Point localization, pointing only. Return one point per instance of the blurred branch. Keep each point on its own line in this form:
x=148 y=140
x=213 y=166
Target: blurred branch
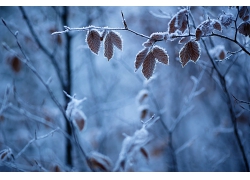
x=33 y=140
x=239 y=102
x=42 y=47
x=223 y=85
x=31 y=67
x=186 y=145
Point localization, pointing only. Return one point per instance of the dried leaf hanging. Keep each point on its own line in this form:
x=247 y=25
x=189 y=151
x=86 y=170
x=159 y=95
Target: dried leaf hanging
x=148 y=65
x=226 y=19
x=190 y=51
x=108 y=46
x=116 y=39
x=207 y=27
x=160 y=54
x=244 y=28
x=244 y=13
x=178 y=22
x=112 y=38
x=140 y=57
x=93 y=40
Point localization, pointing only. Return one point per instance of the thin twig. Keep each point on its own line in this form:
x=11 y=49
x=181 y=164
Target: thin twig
x=42 y=47
x=33 y=140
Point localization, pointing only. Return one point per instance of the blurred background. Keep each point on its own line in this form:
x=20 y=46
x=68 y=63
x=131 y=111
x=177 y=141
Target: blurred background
x=195 y=130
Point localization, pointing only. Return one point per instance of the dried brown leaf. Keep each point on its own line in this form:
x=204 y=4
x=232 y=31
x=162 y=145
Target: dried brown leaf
x=226 y=19
x=15 y=63
x=93 y=40
x=190 y=51
x=79 y=118
x=144 y=152
x=108 y=46
x=160 y=54
x=171 y=25
x=99 y=161
x=184 y=40
x=157 y=36
x=116 y=39
x=217 y=25
x=80 y=123
x=3 y=155
x=244 y=13
x=144 y=113
x=148 y=65
x=178 y=21
x=140 y=57
x=244 y=28
x=207 y=27
x=198 y=34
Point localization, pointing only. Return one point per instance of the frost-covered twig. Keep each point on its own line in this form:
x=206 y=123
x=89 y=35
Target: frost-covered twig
x=33 y=140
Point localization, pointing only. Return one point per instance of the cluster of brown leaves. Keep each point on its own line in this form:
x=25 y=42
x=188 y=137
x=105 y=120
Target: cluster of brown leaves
x=244 y=27
x=178 y=25
x=110 y=38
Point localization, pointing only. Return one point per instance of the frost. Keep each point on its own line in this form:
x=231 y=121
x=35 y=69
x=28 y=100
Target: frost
x=244 y=28
x=111 y=39
x=148 y=65
x=160 y=54
x=218 y=52
x=98 y=161
x=207 y=27
x=244 y=13
x=226 y=19
x=178 y=22
x=140 y=57
x=190 y=51
x=93 y=40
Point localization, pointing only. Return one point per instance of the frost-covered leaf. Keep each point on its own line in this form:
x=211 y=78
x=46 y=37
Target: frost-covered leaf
x=157 y=36
x=98 y=161
x=108 y=46
x=244 y=13
x=244 y=28
x=148 y=65
x=184 y=40
x=160 y=54
x=171 y=25
x=142 y=95
x=140 y=57
x=198 y=34
x=79 y=117
x=148 y=43
x=190 y=51
x=218 y=52
x=207 y=27
x=6 y=155
x=216 y=24
x=93 y=40
x=144 y=111
x=116 y=39
x=178 y=22
x=226 y=19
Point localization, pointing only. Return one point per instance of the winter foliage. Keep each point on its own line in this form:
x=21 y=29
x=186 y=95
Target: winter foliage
x=62 y=108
